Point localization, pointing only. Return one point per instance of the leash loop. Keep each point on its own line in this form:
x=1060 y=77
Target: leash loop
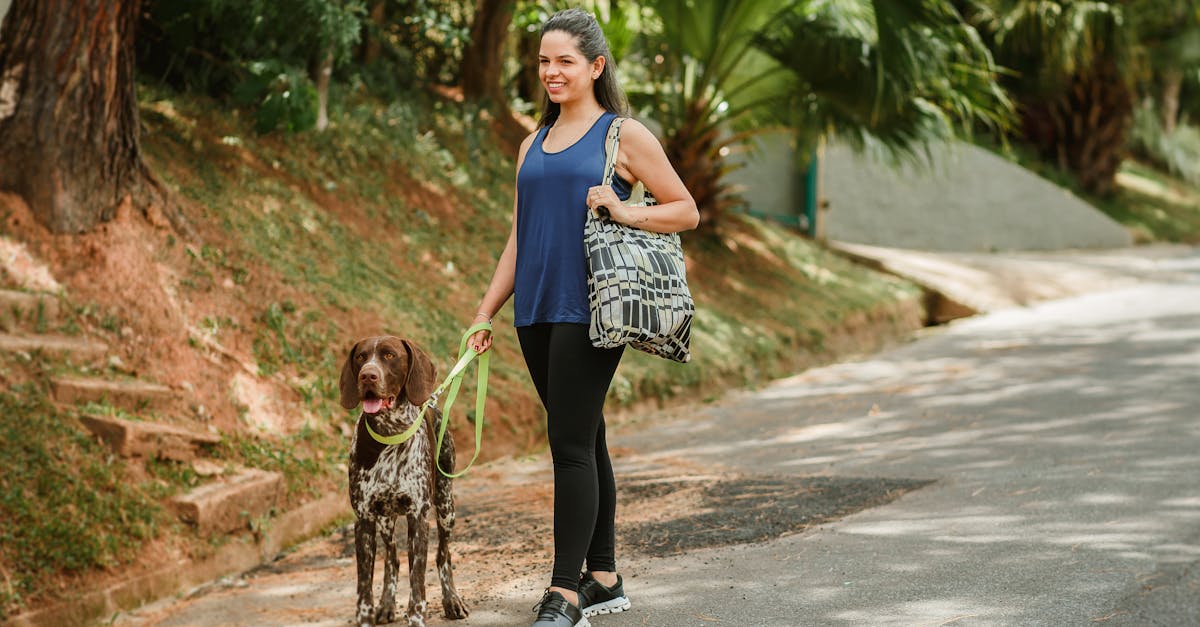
x=465 y=356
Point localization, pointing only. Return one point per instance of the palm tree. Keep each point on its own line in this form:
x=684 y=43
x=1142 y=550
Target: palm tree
x=1077 y=65
x=894 y=73
x=710 y=88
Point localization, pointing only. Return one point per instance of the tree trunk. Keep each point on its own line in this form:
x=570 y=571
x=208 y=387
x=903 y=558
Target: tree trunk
x=697 y=158
x=322 y=71
x=68 y=113
x=483 y=60
x=483 y=66
x=1085 y=128
x=1172 y=84
x=528 y=84
x=371 y=46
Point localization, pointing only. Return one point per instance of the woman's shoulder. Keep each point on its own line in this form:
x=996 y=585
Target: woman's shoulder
x=526 y=144
x=636 y=133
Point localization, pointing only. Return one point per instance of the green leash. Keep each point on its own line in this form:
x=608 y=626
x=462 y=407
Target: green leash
x=453 y=381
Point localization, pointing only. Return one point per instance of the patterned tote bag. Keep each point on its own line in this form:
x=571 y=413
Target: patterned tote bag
x=637 y=284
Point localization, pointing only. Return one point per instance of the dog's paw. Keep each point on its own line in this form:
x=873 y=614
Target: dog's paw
x=385 y=614
x=416 y=620
x=364 y=618
x=454 y=607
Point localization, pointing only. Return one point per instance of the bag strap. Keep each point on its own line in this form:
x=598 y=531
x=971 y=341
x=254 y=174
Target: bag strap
x=612 y=145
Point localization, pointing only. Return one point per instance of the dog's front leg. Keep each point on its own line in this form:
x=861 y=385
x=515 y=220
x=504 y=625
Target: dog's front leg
x=418 y=550
x=385 y=612
x=364 y=552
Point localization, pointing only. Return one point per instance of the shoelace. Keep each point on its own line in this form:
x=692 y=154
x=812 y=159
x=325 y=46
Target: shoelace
x=549 y=608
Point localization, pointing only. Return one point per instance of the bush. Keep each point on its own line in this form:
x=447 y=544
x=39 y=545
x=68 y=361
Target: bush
x=1177 y=152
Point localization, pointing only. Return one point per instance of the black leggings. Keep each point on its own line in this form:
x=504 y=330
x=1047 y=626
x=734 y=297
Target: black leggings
x=572 y=379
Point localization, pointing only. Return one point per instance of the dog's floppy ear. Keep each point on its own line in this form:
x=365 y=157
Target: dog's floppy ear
x=421 y=374
x=349 y=381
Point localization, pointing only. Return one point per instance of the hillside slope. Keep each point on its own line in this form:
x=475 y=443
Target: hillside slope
x=390 y=222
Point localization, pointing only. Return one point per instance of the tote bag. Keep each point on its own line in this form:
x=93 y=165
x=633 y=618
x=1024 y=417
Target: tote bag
x=637 y=282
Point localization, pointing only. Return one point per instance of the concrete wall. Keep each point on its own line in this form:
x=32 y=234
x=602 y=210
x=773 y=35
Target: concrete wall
x=968 y=200
x=769 y=181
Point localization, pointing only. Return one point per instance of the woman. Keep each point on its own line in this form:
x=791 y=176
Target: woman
x=558 y=168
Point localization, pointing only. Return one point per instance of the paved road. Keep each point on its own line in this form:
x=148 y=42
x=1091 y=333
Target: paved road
x=1065 y=447
x=1061 y=446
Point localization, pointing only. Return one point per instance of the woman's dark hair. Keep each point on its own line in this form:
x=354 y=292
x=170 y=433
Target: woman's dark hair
x=590 y=41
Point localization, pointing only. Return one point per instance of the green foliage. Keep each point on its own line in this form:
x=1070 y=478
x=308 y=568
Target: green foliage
x=1046 y=42
x=1177 y=152
x=262 y=52
x=285 y=97
x=64 y=503
x=428 y=36
x=896 y=76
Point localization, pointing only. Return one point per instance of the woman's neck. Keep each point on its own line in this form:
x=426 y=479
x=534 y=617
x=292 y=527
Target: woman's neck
x=579 y=112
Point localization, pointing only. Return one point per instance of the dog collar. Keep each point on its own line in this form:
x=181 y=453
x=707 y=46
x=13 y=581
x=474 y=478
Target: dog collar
x=399 y=438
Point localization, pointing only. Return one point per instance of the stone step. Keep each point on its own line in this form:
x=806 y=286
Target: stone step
x=59 y=345
x=129 y=438
x=132 y=395
x=229 y=504
x=27 y=309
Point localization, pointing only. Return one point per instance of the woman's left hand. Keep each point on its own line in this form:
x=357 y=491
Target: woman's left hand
x=604 y=196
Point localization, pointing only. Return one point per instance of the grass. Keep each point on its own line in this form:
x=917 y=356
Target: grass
x=1157 y=206
x=65 y=506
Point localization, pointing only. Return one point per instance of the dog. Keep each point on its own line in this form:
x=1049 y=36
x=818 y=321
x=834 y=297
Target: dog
x=391 y=377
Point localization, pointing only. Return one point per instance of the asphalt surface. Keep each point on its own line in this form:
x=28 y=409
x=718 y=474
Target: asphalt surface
x=1049 y=459
x=1065 y=449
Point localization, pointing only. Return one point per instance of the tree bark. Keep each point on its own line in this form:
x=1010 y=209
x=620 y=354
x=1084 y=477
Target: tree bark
x=1172 y=84
x=483 y=60
x=69 y=113
x=371 y=46
x=1085 y=128
x=483 y=65
x=322 y=70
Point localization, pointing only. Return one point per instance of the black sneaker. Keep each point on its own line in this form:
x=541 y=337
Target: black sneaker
x=554 y=610
x=595 y=598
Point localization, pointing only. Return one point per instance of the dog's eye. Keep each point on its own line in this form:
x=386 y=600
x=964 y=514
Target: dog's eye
x=360 y=357
x=388 y=356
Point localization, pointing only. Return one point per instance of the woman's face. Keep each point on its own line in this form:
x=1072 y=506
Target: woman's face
x=564 y=71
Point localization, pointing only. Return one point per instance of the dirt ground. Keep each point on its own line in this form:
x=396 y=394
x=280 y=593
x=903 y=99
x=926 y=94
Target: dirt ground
x=503 y=540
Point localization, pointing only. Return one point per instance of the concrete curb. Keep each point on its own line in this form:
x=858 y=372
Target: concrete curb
x=239 y=555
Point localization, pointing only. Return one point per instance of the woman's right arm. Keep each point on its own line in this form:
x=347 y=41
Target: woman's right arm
x=505 y=276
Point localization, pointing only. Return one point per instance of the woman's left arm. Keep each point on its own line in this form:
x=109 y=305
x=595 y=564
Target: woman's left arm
x=642 y=158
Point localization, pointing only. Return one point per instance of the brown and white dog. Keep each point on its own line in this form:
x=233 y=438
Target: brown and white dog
x=391 y=378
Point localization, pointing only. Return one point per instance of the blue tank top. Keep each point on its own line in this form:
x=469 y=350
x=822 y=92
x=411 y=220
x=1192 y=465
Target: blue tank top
x=551 y=276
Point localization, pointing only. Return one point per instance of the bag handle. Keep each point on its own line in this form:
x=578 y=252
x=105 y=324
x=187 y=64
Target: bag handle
x=612 y=144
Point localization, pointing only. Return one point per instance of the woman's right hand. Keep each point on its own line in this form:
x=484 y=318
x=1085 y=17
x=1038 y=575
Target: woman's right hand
x=480 y=340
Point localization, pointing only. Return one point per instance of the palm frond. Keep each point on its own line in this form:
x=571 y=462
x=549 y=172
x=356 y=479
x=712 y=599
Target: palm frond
x=887 y=74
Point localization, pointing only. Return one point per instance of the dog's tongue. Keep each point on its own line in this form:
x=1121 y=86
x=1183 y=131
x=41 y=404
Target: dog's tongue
x=372 y=406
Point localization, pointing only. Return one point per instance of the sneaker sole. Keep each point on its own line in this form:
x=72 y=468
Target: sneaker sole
x=613 y=606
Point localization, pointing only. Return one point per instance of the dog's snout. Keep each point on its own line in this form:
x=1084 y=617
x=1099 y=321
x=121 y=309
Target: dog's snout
x=370 y=373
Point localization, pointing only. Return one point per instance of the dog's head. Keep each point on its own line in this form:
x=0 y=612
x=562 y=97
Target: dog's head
x=379 y=369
